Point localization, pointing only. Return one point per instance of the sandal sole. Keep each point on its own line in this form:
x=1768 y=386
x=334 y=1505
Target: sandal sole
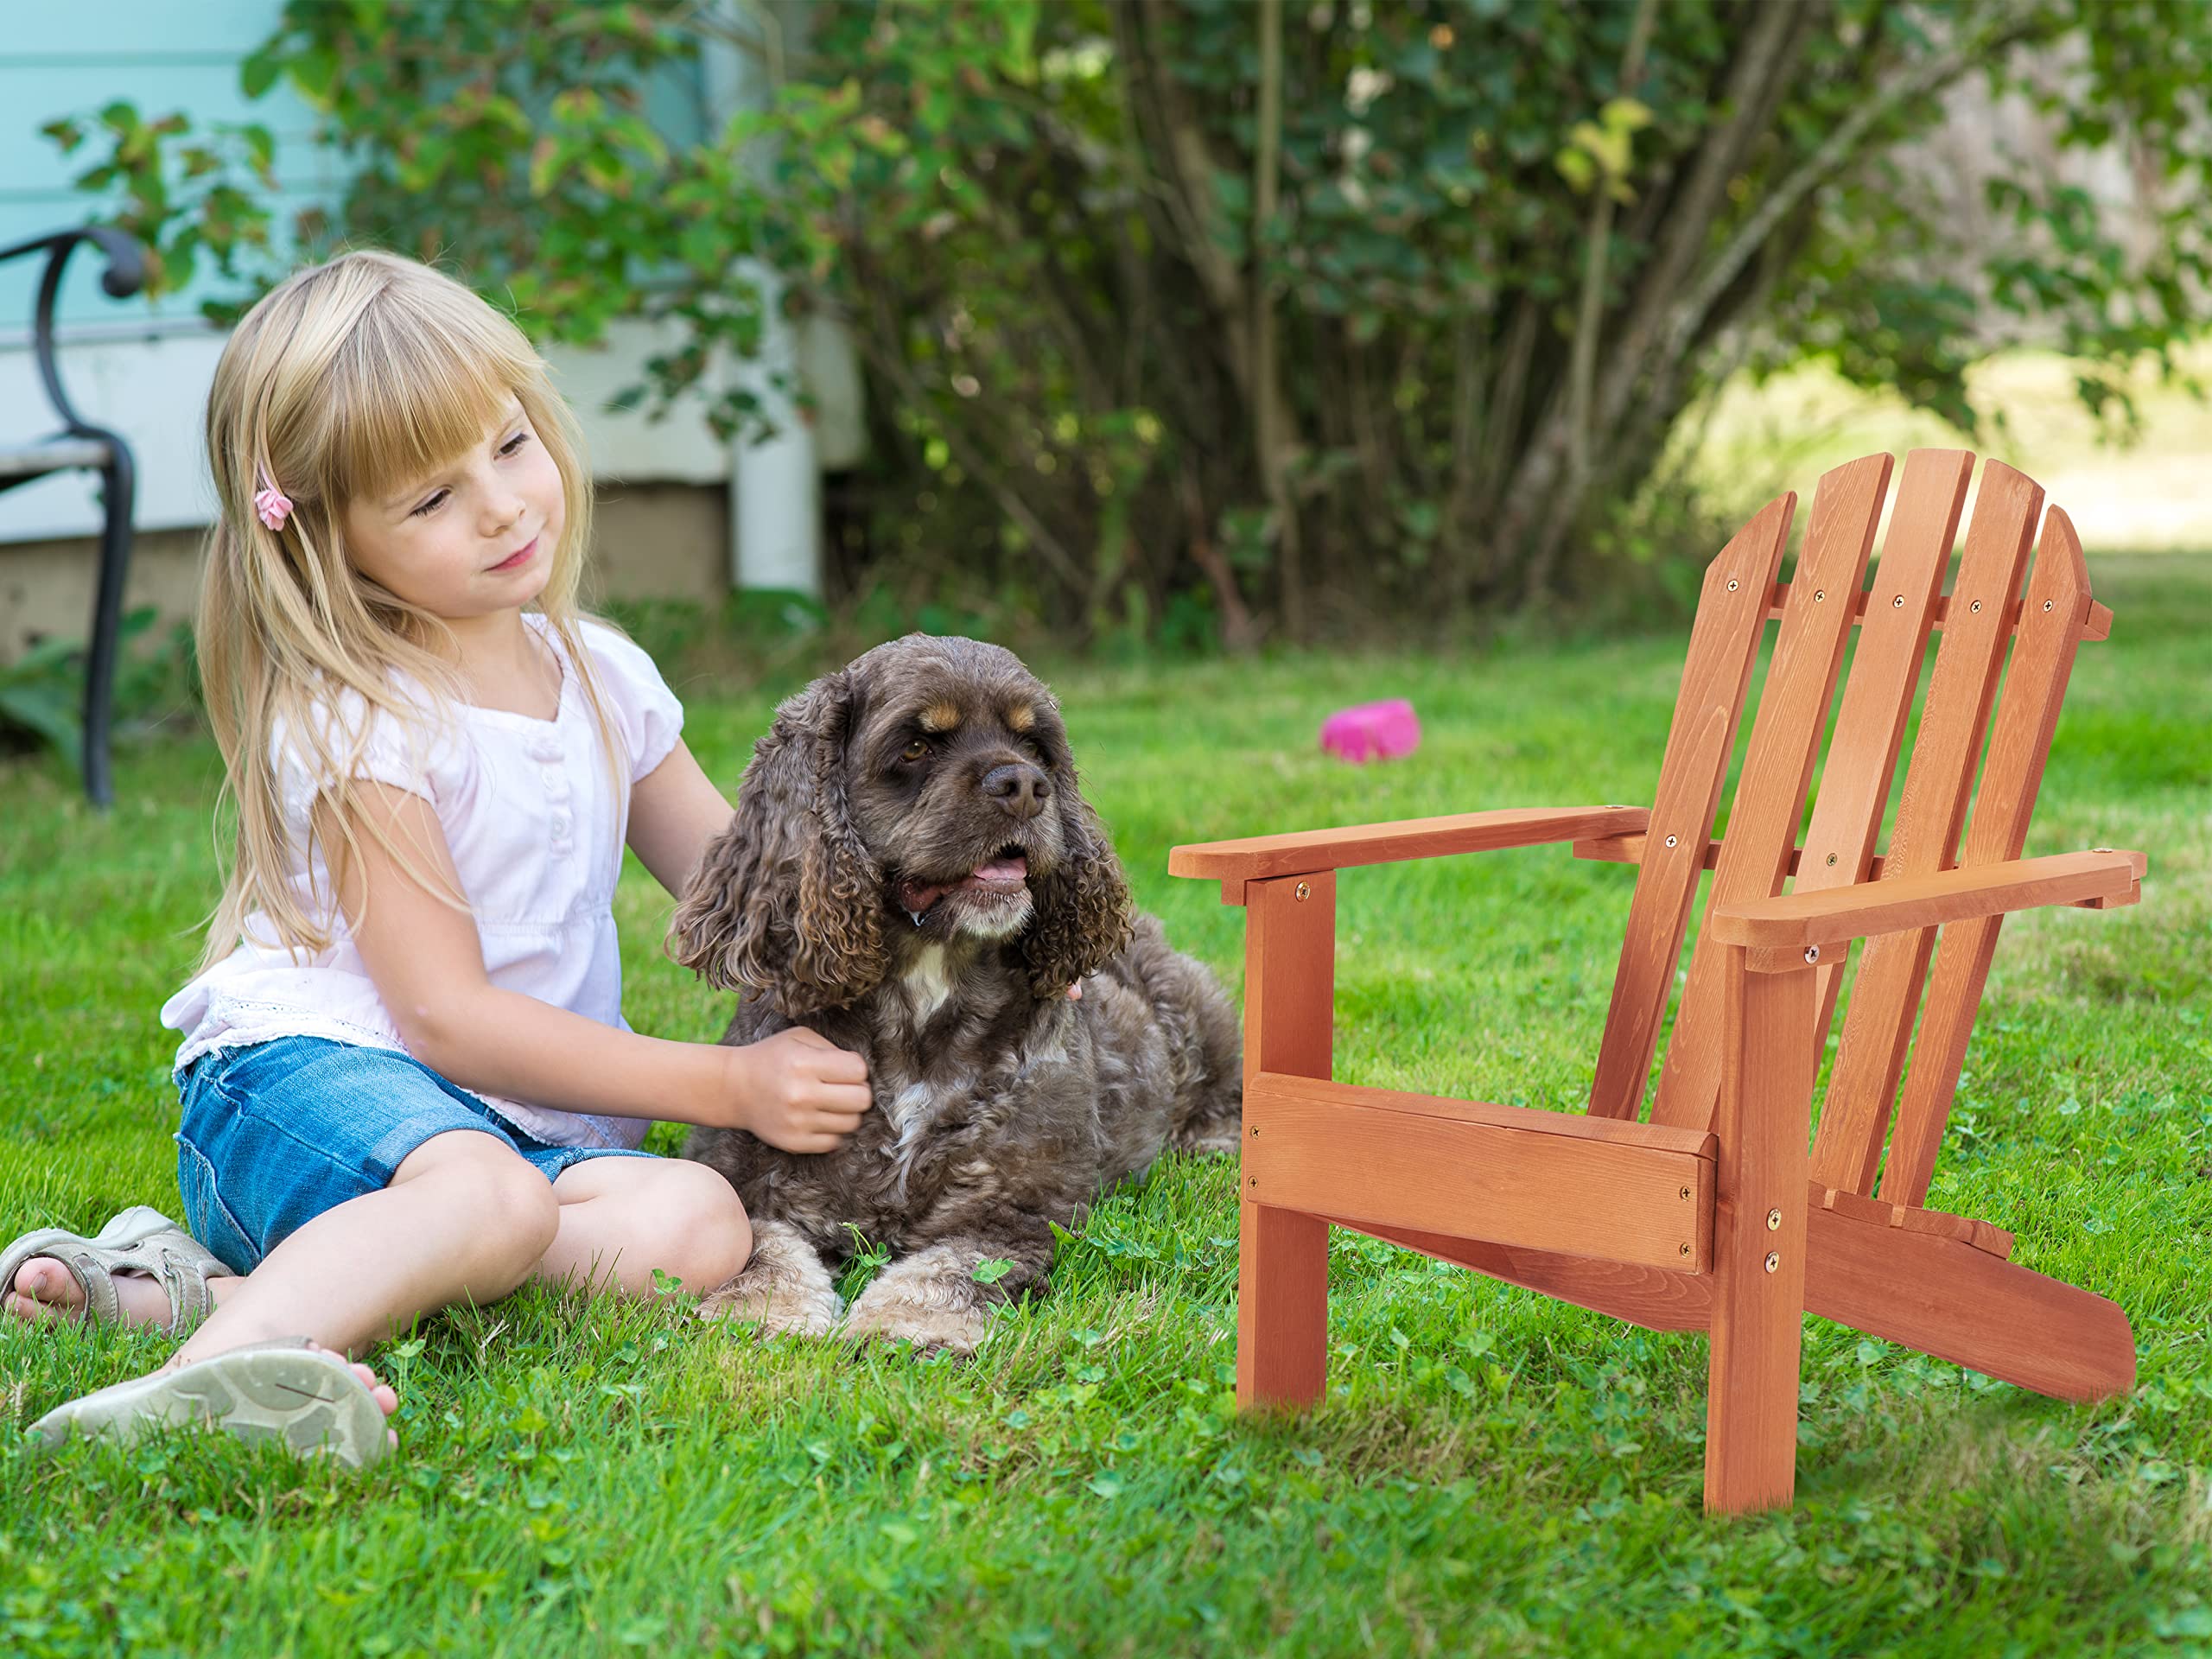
x=255 y=1393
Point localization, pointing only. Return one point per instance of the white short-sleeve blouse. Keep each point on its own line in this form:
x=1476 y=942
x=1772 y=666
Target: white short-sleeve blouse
x=535 y=828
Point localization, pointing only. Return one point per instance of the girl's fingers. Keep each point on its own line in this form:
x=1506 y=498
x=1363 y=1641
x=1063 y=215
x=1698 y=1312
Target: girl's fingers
x=852 y=1099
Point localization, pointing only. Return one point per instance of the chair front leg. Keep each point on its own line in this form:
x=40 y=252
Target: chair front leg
x=1282 y=1275
x=1758 y=1237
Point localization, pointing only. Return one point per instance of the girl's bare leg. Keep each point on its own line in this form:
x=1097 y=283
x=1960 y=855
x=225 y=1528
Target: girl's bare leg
x=463 y=1220
x=622 y=1217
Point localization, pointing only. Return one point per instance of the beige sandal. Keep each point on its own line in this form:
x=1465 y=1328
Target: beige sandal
x=140 y=1239
x=306 y=1397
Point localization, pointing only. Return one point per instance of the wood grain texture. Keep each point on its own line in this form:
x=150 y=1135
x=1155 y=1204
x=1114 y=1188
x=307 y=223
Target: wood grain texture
x=1855 y=1116
x=1282 y=1274
x=1969 y=1306
x=2097 y=625
x=1724 y=643
x=1992 y=1241
x=1263 y=857
x=1650 y=1297
x=1769 y=802
x=1758 y=1237
x=1870 y=724
x=2019 y=745
x=1793 y=921
x=1507 y=1174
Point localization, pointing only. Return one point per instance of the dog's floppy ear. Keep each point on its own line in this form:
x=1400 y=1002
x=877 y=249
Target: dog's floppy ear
x=1081 y=907
x=786 y=901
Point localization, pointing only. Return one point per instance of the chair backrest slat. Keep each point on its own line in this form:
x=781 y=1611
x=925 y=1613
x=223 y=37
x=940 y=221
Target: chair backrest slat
x=1785 y=741
x=1854 y=1117
x=1862 y=759
x=1723 y=642
x=2020 y=743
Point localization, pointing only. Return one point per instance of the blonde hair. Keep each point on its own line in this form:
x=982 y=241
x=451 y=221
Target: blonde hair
x=351 y=378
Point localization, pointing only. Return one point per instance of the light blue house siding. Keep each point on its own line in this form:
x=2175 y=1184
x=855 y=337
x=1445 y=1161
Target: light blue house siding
x=163 y=56
x=142 y=368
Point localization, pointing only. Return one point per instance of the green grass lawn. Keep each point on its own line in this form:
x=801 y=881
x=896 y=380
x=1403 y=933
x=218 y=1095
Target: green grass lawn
x=1491 y=1473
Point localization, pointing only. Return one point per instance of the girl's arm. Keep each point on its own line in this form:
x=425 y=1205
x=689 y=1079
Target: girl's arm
x=675 y=810
x=795 y=1090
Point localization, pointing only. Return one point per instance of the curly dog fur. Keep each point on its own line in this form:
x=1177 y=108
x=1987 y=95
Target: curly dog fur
x=913 y=872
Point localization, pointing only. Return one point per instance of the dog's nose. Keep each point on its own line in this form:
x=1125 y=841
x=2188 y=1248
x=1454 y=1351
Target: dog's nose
x=1019 y=787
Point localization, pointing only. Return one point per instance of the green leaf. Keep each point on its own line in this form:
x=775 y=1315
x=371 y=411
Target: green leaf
x=258 y=73
x=990 y=1271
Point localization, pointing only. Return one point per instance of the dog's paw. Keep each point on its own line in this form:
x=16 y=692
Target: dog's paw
x=778 y=1303
x=1216 y=1138
x=925 y=1323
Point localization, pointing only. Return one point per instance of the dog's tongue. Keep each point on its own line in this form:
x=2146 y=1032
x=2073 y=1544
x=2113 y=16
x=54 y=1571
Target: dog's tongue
x=1000 y=872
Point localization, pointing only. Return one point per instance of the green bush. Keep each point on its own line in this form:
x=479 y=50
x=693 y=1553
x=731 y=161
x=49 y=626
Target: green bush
x=1208 y=319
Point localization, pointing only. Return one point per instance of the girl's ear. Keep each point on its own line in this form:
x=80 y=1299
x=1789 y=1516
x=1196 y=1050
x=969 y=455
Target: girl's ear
x=787 y=901
x=1082 y=908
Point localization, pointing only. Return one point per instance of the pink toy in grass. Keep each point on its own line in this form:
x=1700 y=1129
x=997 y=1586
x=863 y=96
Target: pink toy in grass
x=1371 y=731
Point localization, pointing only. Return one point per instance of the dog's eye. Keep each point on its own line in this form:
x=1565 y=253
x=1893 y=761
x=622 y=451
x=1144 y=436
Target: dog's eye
x=916 y=750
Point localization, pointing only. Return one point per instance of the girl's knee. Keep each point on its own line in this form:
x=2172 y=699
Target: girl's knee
x=521 y=1211
x=703 y=1235
x=513 y=1215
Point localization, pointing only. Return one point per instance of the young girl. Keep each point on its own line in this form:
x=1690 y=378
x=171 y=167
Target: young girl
x=406 y=1080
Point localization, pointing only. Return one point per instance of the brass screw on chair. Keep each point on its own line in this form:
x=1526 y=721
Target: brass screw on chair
x=1812 y=953
x=1773 y=1217
x=1831 y=859
x=1819 y=594
x=1773 y=1260
x=1731 y=588
x=1303 y=890
x=1686 y=1249
x=1976 y=608
x=1686 y=1192
x=1671 y=840
x=1898 y=604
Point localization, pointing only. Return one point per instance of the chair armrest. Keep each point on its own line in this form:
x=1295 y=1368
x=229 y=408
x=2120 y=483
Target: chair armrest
x=126 y=261
x=1258 y=858
x=1801 y=922
x=124 y=275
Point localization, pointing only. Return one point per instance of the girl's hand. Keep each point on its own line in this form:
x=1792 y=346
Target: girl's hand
x=798 y=1090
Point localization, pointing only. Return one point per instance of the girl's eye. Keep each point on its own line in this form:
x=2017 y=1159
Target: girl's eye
x=915 y=750
x=514 y=443
x=437 y=500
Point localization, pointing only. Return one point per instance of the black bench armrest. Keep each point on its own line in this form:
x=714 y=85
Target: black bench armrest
x=124 y=275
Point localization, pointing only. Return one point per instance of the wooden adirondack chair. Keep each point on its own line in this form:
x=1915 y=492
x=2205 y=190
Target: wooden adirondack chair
x=1713 y=1215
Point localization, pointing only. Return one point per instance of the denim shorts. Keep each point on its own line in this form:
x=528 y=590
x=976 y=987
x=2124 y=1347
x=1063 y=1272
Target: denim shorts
x=278 y=1133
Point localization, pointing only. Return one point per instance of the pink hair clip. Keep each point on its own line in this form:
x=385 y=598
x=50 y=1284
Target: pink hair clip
x=271 y=506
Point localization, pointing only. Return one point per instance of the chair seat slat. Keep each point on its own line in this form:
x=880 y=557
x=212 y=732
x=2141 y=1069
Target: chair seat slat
x=52 y=455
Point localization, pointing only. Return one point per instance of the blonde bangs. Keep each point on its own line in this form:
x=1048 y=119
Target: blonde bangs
x=353 y=380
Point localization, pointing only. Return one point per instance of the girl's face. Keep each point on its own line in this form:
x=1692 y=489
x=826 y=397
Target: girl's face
x=472 y=540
